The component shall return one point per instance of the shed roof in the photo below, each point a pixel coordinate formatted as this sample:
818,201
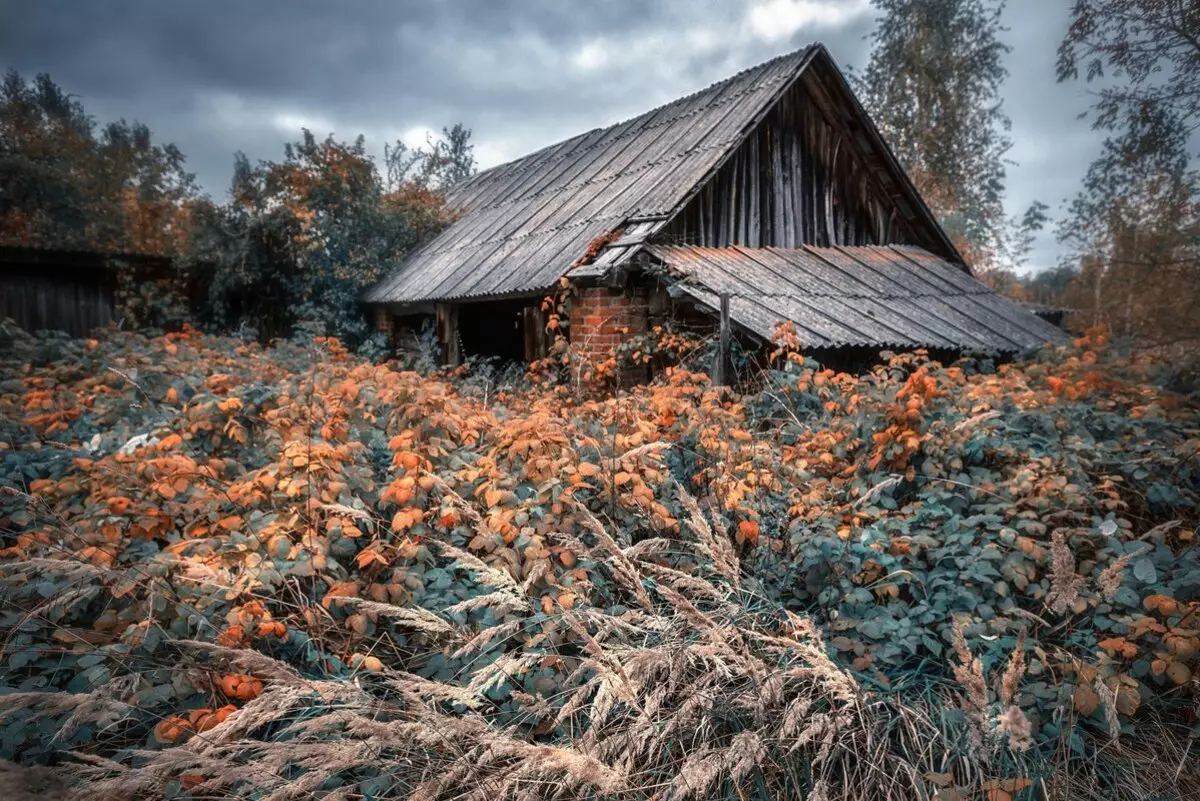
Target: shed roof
893,296
522,224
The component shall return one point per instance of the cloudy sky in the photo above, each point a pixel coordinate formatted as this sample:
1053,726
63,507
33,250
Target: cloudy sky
217,76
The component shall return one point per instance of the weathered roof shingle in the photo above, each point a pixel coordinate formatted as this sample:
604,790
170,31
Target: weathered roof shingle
895,296
522,224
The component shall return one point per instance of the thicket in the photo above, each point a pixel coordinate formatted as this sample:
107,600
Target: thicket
291,245
286,572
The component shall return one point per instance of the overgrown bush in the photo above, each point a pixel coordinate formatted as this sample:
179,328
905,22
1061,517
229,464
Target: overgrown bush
230,571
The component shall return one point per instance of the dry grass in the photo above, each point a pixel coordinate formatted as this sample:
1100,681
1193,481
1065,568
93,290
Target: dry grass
698,691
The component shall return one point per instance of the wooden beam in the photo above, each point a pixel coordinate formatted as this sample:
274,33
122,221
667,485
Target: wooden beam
721,366
533,323
447,328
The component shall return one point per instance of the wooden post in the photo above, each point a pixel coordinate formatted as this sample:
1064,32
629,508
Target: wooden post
534,324
447,328
721,365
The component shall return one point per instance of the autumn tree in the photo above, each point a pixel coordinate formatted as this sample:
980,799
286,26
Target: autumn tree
1050,286
299,239
67,182
1134,227
932,86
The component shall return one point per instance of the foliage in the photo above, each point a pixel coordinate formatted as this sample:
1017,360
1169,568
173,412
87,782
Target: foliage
1002,274
1134,226
1146,52
932,86
441,163
300,239
1050,286
239,571
1133,230
295,242
65,184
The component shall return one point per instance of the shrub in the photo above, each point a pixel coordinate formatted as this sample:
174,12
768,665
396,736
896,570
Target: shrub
231,570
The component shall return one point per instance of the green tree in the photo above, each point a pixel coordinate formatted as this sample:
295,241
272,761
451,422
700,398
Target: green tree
64,182
1144,53
932,86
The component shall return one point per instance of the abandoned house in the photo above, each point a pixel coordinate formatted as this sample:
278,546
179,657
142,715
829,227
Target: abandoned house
772,188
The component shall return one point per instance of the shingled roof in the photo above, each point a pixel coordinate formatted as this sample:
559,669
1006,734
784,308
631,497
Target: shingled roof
523,224
894,296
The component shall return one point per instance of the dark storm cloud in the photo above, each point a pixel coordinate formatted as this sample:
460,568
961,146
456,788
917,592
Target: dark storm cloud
221,76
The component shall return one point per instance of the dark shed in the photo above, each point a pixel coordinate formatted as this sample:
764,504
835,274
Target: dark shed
67,290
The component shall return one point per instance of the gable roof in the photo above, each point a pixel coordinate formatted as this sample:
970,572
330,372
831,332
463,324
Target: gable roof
523,224
893,296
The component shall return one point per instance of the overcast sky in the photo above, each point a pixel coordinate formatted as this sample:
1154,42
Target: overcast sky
217,76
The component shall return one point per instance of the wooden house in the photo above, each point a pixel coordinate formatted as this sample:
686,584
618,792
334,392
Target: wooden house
772,188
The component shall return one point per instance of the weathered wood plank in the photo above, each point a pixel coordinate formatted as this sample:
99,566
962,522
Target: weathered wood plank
721,364
447,327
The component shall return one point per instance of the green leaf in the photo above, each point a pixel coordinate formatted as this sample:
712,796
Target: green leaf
1143,570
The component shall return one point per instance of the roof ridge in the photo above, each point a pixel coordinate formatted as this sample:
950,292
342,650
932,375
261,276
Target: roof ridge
797,54
534,162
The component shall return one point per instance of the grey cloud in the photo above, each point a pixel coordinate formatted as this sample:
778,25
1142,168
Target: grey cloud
221,76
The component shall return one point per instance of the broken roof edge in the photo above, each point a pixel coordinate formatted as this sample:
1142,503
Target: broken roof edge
988,323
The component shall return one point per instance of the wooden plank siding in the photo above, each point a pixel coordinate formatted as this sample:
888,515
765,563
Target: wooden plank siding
794,181
38,302
68,290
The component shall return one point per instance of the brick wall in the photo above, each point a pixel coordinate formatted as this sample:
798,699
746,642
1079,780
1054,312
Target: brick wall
602,318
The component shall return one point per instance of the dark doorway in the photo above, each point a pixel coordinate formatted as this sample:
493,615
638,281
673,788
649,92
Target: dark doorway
493,328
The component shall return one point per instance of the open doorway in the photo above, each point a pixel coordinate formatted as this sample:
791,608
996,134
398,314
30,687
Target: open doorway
510,330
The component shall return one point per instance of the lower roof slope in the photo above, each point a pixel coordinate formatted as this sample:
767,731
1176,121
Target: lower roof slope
894,296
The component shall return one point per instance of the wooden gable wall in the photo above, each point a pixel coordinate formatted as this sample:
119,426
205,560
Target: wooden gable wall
798,179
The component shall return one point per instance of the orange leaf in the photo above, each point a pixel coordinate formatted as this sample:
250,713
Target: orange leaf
340,589
229,405
231,523
170,729
406,518
118,504
368,555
